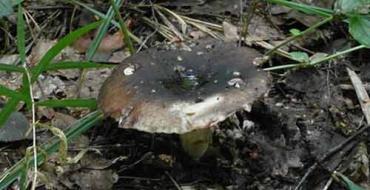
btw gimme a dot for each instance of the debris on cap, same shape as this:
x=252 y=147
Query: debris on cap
x=153 y=91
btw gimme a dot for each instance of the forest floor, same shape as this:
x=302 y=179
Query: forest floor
x=304 y=130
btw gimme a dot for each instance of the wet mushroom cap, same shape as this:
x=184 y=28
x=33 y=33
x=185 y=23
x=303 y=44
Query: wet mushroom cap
x=177 y=91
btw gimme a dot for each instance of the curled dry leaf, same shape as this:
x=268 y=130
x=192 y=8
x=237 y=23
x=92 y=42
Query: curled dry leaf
x=230 y=31
x=109 y=43
x=43 y=45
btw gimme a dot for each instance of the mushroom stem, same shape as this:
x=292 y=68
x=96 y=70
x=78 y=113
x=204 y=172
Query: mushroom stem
x=196 y=142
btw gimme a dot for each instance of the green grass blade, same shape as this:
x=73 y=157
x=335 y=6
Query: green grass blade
x=44 y=62
x=9 y=107
x=304 y=8
x=10 y=93
x=59 y=66
x=101 y=32
x=82 y=103
x=24 y=172
x=101 y=15
x=57 y=48
x=124 y=28
x=21 y=35
x=21 y=45
x=52 y=146
x=10 y=68
x=77 y=65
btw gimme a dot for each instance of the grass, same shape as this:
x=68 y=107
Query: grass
x=75 y=130
x=31 y=75
x=359 y=25
x=36 y=154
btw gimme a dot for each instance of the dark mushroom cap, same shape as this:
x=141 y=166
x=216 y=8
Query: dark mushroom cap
x=174 y=91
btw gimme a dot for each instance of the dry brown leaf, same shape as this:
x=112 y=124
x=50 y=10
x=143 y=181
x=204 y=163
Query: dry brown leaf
x=43 y=45
x=230 y=31
x=109 y=43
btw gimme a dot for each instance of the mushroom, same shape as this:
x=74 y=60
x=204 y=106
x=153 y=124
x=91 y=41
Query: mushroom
x=177 y=91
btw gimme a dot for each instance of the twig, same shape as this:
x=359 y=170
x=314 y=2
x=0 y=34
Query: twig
x=350 y=87
x=308 y=30
x=362 y=95
x=178 y=187
x=145 y=156
x=328 y=184
x=169 y=24
x=330 y=153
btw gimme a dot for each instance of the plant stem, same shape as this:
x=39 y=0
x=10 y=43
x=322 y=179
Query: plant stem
x=304 y=8
x=338 y=54
x=316 y=62
x=308 y=30
x=281 y=67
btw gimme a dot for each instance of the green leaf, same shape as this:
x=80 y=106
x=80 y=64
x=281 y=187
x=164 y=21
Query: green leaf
x=308 y=9
x=8 y=109
x=21 y=35
x=299 y=56
x=82 y=103
x=359 y=27
x=76 y=65
x=16 y=2
x=352 y=6
x=295 y=31
x=11 y=93
x=59 y=66
x=350 y=185
x=57 y=48
x=6 y=8
x=21 y=45
x=11 y=68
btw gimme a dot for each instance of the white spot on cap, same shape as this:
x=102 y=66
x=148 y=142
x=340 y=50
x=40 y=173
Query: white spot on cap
x=209 y=46
x=129 y=70
x=236 y=82
x=247 y=107
x=179 y=68
x=179 y=58
x=236 y=74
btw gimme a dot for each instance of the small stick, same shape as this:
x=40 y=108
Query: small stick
x=178 y=187
x=330 y=153
x=362 y=95
x=364 y=100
